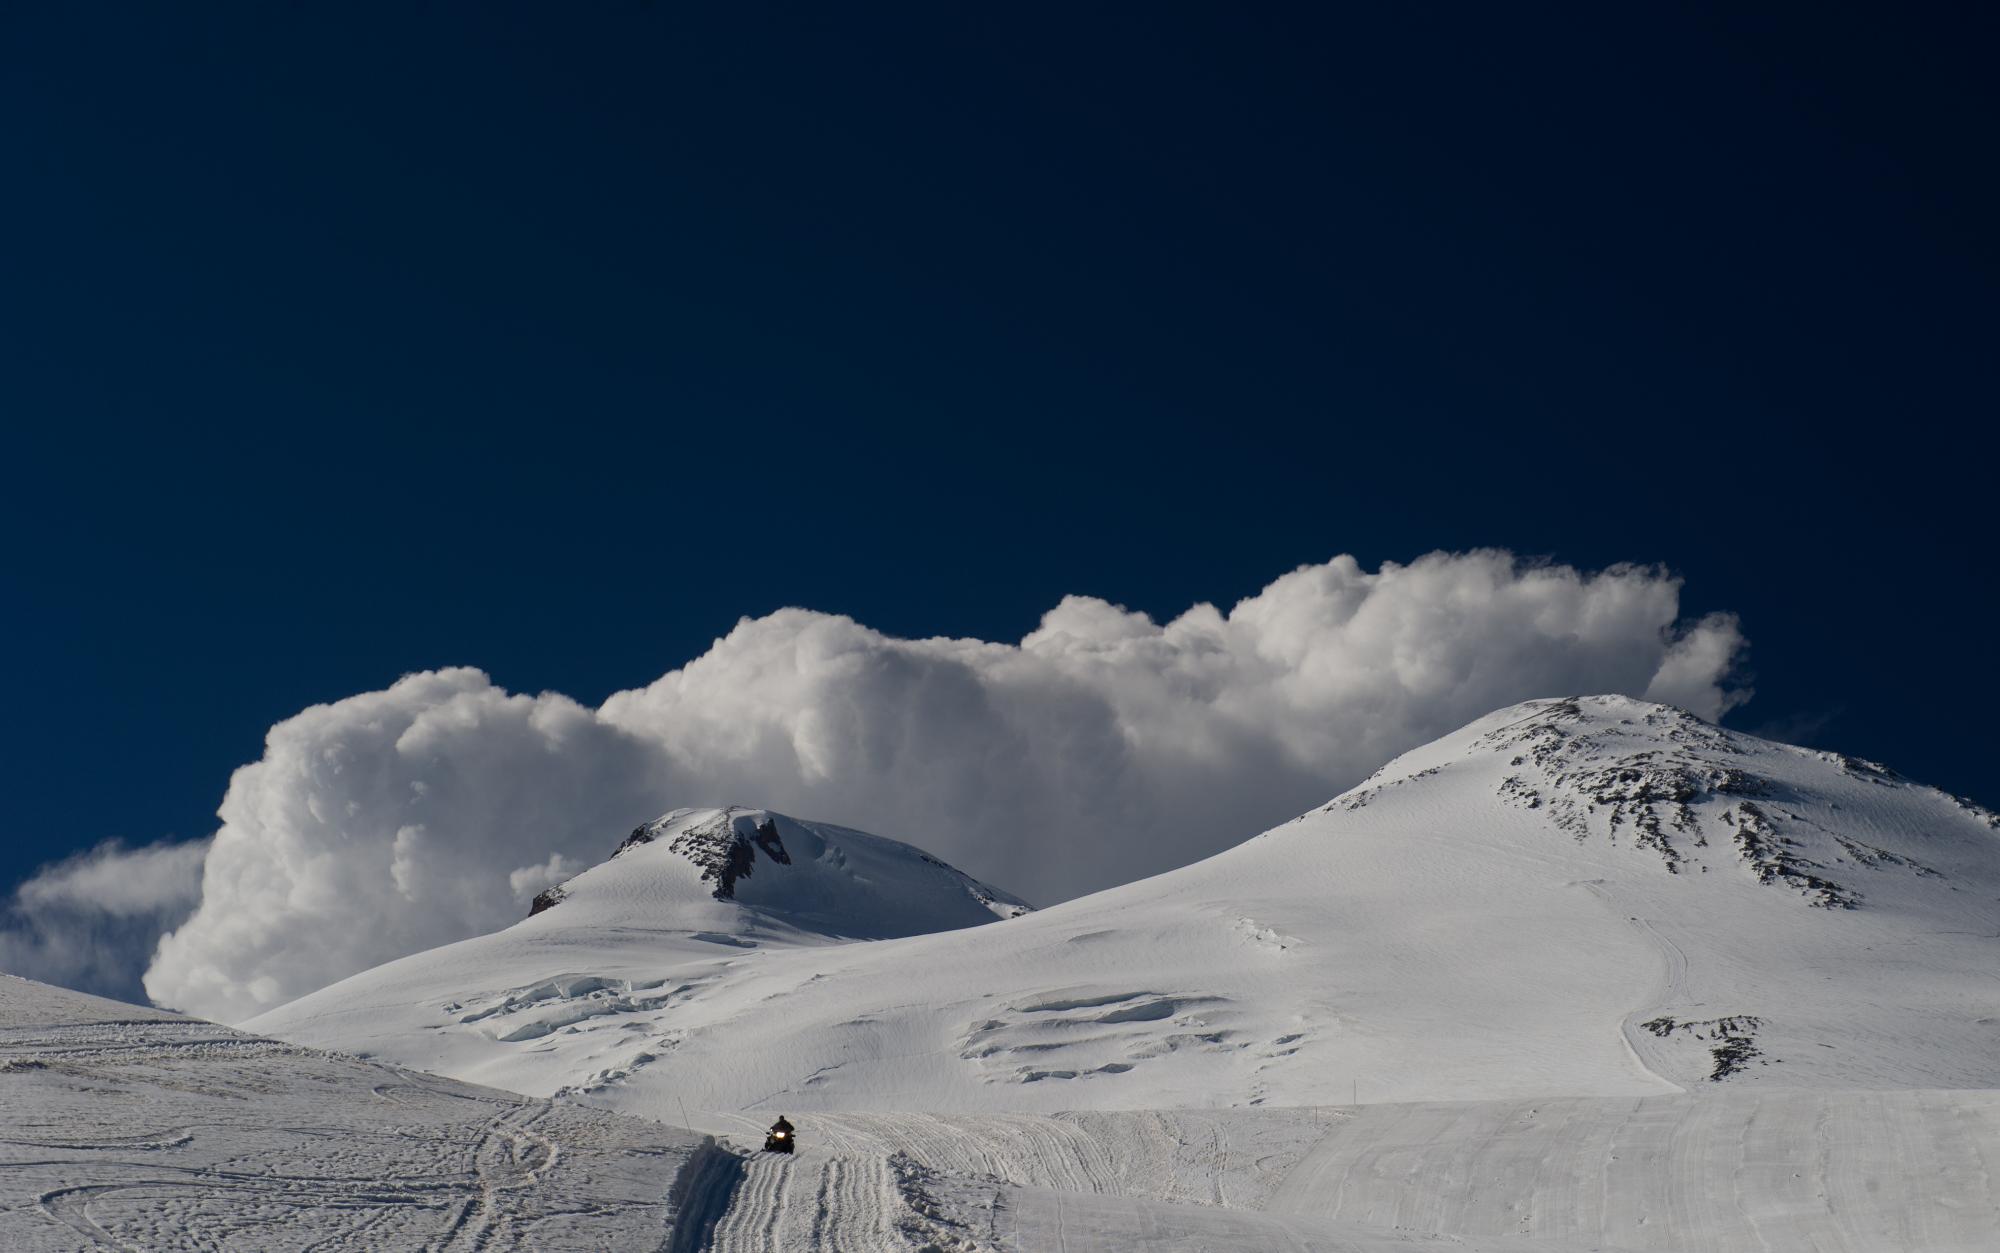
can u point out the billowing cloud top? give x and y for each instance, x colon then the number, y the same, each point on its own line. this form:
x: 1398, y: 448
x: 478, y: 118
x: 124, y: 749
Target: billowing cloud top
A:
x: 1101, y: 748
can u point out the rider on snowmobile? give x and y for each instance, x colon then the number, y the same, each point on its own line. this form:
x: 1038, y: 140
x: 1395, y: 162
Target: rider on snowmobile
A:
x: 780, y: 1138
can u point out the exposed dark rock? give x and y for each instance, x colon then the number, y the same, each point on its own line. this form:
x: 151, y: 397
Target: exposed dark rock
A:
x: 1733, y: 1040
x: 1980, y: 812
x: 1734, y: 1052
x: 640, y: 835
x: 545, y: 899
x: 1593, y: 778
x: 774, y: 848
x: 1601, y: 779
x: 1772, y: 856
x: 1873, y: 771
x: 1359, y: 798
x: 725, y: 847
x: 1873, y: 857
x: 723, y: 853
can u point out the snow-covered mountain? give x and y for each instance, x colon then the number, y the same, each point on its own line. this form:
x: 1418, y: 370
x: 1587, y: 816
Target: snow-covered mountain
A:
x: 679, y: 905
x: 755, y: 876
x: 1587, y: 897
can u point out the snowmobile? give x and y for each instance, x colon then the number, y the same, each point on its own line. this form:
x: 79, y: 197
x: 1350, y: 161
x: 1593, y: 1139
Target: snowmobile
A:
x: 780, y: 1138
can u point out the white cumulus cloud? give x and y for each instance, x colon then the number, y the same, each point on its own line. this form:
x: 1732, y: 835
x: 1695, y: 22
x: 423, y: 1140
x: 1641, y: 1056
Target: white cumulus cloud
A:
x: 1101, y: 748
x: 91, y: 921
x: 527, y: 881
x: 390, y: 822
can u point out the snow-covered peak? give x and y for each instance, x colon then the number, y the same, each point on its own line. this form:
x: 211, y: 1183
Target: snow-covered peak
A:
x: 1690, y: 793
x: 1608, y: 725
x: 689, y: 902
x: 741, y: 871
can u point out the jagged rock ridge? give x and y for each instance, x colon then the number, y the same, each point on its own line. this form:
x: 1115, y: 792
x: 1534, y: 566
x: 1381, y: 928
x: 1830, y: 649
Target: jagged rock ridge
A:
x: 724, y: 847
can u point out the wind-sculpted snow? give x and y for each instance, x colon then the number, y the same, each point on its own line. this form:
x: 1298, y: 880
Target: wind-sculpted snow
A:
x: 127, y: 1128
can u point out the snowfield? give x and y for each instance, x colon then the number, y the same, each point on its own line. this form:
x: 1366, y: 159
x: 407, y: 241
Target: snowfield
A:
x: 128, y: 1128
x: 840, y: 1201
x: 1590, y: 974
x: 1718, y: 1170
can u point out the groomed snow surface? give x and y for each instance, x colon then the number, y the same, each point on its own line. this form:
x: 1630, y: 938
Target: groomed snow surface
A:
x: 1590, y: 974
x: 1749, y: 1171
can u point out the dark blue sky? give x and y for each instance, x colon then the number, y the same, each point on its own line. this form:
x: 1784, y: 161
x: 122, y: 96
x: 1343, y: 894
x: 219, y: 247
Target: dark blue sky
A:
x: 338, y: 342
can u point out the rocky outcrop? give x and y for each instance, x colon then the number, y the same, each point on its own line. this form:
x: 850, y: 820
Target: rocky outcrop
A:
x: 1670, y: 782
x: 722, y: 848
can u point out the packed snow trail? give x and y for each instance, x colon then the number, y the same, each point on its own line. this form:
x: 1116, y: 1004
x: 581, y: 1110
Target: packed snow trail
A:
x: 1209, y: 1157
x: 131, y: 1129
x: 818, y: 1201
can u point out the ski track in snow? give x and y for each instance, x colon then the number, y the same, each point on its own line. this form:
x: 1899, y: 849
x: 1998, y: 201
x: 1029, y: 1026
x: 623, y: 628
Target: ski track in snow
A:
x: 842, y: 1201
x: 1193, y: 1156
x: 133, y: 1132
x: 1670, y: 991
x: 814, y: 1201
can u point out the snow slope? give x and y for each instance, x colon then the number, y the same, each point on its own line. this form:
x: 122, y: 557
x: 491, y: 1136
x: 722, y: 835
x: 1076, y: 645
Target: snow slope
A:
x: 682, y: 903
x: 128, y: 1128
x: 840, y: 1201
x: 1719, y: 1170
x: 1580, y: 897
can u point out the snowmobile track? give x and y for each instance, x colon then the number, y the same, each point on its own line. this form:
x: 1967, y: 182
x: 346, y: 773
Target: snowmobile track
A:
x: 813, y: 1201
